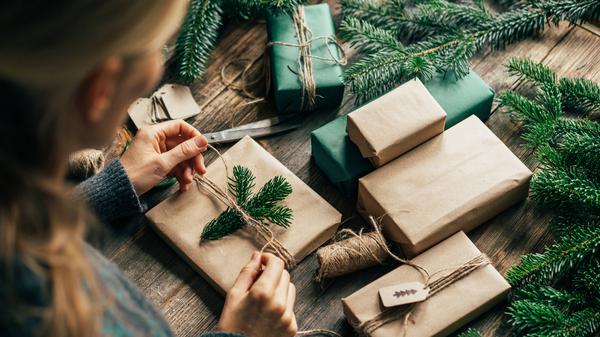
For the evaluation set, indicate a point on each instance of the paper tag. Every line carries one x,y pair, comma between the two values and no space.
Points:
403,293
139,112
178,101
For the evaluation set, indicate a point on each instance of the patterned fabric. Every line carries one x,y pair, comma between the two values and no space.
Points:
127,313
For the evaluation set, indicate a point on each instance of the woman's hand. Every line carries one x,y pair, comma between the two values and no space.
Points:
261,302
171,148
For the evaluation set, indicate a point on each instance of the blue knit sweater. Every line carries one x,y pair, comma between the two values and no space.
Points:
127,313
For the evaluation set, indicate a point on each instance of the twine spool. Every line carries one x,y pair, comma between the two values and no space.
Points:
84,164
349,255
353,251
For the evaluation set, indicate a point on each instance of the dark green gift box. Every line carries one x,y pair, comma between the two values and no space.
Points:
341,160
327,74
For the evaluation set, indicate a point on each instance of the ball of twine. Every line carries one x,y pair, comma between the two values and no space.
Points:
352,252
84,164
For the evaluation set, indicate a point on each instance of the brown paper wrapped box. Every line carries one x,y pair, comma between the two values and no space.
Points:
396,122
455,181
181,218
445,311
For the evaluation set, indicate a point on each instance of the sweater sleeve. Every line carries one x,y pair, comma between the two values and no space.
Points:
220,334
110,193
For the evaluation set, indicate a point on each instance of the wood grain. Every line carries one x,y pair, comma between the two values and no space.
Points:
192,306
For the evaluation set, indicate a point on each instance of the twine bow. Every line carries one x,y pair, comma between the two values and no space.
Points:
264,235
304,63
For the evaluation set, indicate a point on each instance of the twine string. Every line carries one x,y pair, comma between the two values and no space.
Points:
388,315
353,251
304,63
264,234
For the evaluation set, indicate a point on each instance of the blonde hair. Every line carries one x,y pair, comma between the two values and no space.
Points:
48,48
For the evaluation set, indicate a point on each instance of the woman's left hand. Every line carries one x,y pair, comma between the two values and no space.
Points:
172,148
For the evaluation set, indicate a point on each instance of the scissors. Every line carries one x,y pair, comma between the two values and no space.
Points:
261,128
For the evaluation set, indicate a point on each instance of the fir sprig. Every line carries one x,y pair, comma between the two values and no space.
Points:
197,38
262,206
447,35
556,291
201,28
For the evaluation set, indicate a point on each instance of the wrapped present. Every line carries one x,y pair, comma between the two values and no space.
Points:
341,160
181,218
463,285
395,122
291,89
455,181
335,154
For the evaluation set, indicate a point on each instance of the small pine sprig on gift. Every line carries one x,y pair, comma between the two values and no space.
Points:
441,35
262,206
556,292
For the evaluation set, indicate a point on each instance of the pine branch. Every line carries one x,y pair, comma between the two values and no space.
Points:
197,39
588,280
459,31
252,9
388,15
564,187
580,95
262,206
530,318
470,333
533,72
556,260
368,37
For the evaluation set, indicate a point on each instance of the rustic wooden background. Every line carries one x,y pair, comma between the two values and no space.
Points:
193,307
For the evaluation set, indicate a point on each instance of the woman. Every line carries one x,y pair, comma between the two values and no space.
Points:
68,71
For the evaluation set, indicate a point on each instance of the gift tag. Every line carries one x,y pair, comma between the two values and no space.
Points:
403,293
177,101
139,112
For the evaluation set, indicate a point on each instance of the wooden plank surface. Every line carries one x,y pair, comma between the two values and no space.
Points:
192,306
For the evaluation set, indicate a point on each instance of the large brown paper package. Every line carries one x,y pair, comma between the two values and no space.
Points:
445,311
396,122
455,181
181,218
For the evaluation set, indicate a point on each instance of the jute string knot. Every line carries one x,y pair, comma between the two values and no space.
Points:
403,312
304,63
264,235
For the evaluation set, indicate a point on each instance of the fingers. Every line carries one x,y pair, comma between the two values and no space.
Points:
289,315
270,276
248,274
280,298
176,128
185,151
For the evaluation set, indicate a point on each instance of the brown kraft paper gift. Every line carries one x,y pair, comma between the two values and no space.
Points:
442,313
396,122
181,218
455,181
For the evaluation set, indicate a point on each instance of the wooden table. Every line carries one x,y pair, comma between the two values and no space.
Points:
192,306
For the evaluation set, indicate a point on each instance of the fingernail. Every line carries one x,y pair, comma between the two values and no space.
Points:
254,255
200,143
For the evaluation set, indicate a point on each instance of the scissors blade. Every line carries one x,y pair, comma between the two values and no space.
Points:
229,136
263,123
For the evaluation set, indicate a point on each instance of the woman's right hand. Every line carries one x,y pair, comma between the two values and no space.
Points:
261,302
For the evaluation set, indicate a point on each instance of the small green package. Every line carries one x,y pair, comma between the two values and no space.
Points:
327,73
340,159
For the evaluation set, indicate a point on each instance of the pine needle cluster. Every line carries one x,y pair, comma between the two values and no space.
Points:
201,28
262,206
399,42
557,291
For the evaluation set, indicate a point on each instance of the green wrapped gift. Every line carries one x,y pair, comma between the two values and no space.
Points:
340,159
326,72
